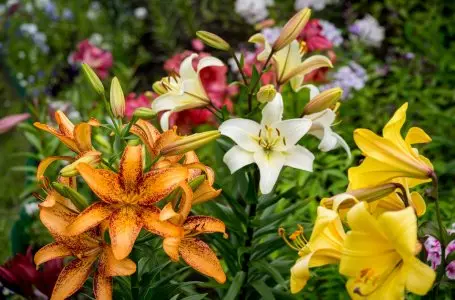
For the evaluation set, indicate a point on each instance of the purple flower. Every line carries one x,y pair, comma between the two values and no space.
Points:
433,248
348,78
332,33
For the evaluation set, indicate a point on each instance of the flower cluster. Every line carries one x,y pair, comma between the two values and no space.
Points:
378,253
351,77
98,59
368,31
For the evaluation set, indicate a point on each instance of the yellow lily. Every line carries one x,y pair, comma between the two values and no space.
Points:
76,137
379,255
127,200
324,246
87,249
288,61
390,157
194,252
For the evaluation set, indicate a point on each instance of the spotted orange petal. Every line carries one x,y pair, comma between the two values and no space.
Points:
51,251
146,132
45,163
105,184
165,138
150,217
64,124
72,277
171,247
205,192
204,224
130,171
83,137
200,257
157,184
102,286
90,217
68,141
124,228
110,266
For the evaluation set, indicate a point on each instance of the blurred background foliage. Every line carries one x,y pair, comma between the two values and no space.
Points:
140,46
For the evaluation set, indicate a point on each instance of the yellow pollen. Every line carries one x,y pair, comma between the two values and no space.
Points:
303,48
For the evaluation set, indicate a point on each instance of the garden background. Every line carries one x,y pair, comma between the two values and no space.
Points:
414,62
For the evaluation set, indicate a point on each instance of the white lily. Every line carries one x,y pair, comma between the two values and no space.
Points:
322,126
288,61
183,91
271,144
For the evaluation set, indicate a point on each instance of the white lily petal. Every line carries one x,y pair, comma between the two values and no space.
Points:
325,117
259,38
186,68
209,61
270,165
195,90
167,102
341,142
314,91
164,121
328,141
300,157
293,129
273,111
237,158
296,82
242,132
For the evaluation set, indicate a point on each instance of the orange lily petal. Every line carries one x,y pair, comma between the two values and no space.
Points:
150,217
200,257
165,138
168,213
171,247
105,184
124,228
51,251
102,286
110,266
186,201
64,124
204,224
191,157
83,137
68,141
72,277
146,132
45,163
207,170
90,217
205,192
130,171
157,184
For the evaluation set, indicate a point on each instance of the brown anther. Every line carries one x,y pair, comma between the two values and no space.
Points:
278,131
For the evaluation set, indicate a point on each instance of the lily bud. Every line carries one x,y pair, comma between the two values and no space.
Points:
159,88
212,40
93,79
92,158
292,29
190,142
324,100
144,113
117,99
266,93
77,199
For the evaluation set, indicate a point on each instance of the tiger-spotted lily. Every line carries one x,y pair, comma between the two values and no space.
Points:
89,250
288,61
183,91
271,144
76,137
324,246
194,252
391,157
379,255
127,200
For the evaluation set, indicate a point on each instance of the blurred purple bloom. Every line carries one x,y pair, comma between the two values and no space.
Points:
332,33
368,31
348,78
67,14
271,34
354,29
51,10
409,55
7,123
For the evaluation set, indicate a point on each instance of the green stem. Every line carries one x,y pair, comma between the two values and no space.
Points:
104,162
255,84
240,68
130,124
435,195
111,115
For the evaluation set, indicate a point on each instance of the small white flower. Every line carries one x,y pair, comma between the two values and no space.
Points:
96,39
31,208
140,13
253,11
315,4
368,31
271,145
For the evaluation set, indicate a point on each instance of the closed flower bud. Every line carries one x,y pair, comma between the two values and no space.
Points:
92,158
158,87
77,199
93,79
266,93
144,113
324,100
117,99
212,40
292,29
189,143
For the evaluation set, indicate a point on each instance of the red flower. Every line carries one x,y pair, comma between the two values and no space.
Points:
19,274
320,75
98,59
312,35
132,102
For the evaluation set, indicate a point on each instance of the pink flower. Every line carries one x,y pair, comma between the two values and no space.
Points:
450,268
197,45
98,59
8,122
133,101
312,35
433,248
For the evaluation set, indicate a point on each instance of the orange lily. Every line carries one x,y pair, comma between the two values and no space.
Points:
127,200
76,137
194,252
87,249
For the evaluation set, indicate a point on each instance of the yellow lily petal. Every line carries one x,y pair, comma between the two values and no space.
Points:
392,130
105,184
416,135
90,217
200,257
328,231
307,66
124,228
418,204
72,277
150,217
130,171
420,277
83,137
51,251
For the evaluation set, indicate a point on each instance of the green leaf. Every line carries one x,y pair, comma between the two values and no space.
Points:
263,290
195,297
236,286
33,140
268,268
